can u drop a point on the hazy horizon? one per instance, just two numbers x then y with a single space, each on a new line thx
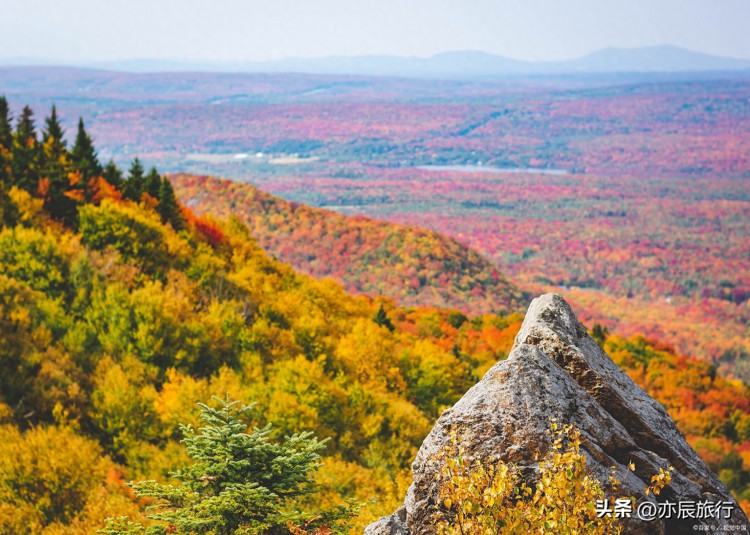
50 61
83 31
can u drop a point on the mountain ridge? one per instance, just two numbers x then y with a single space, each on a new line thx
448 64
414 266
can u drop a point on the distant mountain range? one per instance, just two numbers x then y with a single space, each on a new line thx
446 65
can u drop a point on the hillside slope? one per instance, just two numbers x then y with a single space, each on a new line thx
416 267
113 332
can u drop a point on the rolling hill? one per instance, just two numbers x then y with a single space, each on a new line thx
416 267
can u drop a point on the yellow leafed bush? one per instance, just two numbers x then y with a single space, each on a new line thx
489 499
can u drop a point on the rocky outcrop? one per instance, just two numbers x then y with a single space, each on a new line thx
556 370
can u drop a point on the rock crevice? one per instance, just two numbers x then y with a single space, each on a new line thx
556 370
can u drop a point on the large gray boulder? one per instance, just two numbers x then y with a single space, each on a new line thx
556 370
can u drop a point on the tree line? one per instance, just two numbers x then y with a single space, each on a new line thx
67 178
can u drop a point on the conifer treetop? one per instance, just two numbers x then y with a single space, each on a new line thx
239 483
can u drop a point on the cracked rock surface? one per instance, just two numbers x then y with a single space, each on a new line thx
556 370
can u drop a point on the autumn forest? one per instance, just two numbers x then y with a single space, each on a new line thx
351 254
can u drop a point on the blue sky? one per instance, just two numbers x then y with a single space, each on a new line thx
237 30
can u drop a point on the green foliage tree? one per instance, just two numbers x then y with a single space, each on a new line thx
239 483
6 130
168 208
8 210
137 235
122 407
6 145
54 130
456 319
84 156
599 333
152 184
25 153
382 319
58 192
112 174
134 186
36 259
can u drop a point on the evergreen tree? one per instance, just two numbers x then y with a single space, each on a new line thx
84 155
240 483
113 175
152 184
61 195
6 130
54 130
134 186
382 319
168 208
599 333
6 142
25 153
8 210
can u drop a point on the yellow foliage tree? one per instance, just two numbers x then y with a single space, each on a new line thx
53 480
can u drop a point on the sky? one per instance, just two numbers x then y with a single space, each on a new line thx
252 30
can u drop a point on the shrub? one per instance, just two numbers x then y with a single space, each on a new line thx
484 499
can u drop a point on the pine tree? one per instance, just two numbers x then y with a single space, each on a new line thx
382 319
84 155
133 188
599 333
168 208
240 483
25 153
152 184
6 142
6 130
8 210
61 196
54 130
112 174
